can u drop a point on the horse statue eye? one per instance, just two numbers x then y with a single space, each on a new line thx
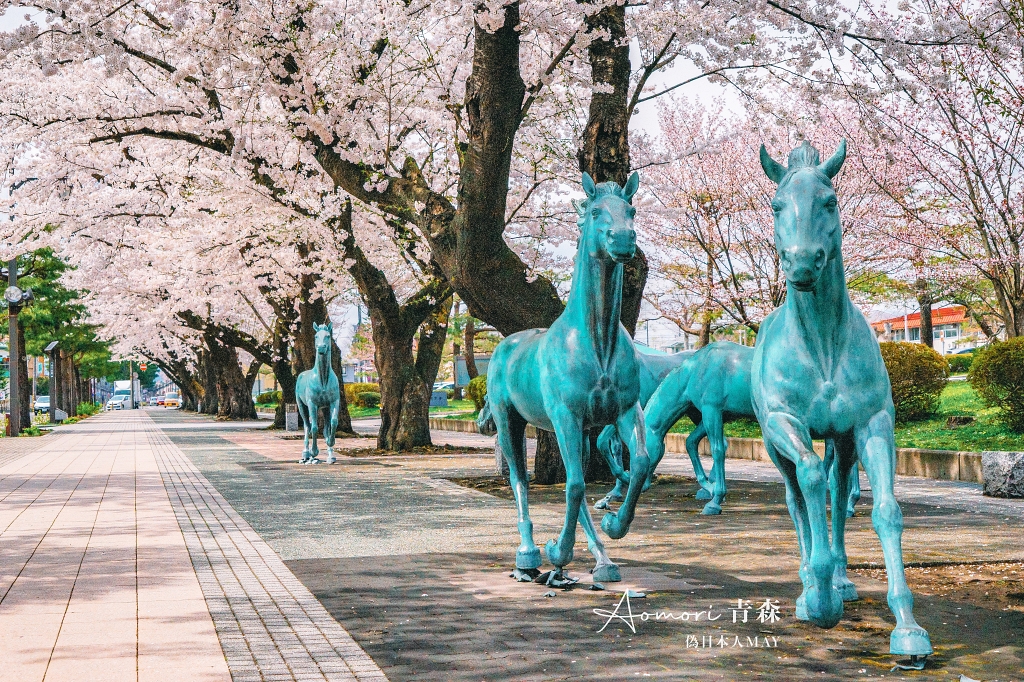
777 207
831 204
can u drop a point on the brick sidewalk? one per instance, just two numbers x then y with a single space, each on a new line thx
105 576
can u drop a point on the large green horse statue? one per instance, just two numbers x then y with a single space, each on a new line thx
818 373
318 389
579 375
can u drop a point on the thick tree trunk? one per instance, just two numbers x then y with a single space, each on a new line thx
233 396
208 403
924 300
406 381
469 350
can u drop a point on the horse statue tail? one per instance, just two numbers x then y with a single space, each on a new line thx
485 421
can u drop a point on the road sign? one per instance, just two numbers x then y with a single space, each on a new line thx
142 367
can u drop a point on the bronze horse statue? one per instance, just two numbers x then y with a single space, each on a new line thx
580 374
818 373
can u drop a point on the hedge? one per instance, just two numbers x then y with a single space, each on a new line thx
352 390
367 399
269 398
960 363
477 391
997 374
918 375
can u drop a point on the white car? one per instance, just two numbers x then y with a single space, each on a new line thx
118 402
42 404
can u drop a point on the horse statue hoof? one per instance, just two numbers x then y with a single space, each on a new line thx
847 589
824 611
606 573
910 641
555 555
711 509
525 575
528 560
612 527
702 495
801 606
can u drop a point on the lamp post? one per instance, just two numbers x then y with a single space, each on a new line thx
16 298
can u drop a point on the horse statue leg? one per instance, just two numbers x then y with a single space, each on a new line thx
693 450
791 440
712 422
610 446
331 428
854 497
631 425
876 448
304 414
569 431
314 451
605 570
839 484
511 432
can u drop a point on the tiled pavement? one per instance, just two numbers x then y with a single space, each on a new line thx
118 560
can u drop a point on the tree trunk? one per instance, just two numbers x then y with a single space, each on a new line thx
208 377
924 300
406 382
469 350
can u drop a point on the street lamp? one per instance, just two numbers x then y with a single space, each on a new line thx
16 299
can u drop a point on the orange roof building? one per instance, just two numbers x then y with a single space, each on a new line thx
951 328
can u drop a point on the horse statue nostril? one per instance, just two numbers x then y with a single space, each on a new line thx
819 258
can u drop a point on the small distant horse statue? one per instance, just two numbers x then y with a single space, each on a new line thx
818 373
318 389
712 388
580 374
654 367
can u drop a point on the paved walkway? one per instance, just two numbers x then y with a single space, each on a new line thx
119 561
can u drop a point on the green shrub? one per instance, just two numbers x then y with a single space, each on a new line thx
367 399
477 391
88 409
997 374
918 374
269 398
352 390
960 364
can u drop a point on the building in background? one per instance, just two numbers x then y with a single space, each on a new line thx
952 329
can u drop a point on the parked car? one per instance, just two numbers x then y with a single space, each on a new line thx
172 400
158 400
119 402
42 404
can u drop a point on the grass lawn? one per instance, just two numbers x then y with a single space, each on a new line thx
986 433
462 406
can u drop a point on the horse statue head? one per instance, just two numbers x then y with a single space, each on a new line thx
322 339
807 232
606 219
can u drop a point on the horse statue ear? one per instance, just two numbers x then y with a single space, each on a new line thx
588 185
632 185
772 168
835 162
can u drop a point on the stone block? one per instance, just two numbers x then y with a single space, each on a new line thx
938 464
1003 473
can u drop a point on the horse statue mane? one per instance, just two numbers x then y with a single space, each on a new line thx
596 191
805 155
